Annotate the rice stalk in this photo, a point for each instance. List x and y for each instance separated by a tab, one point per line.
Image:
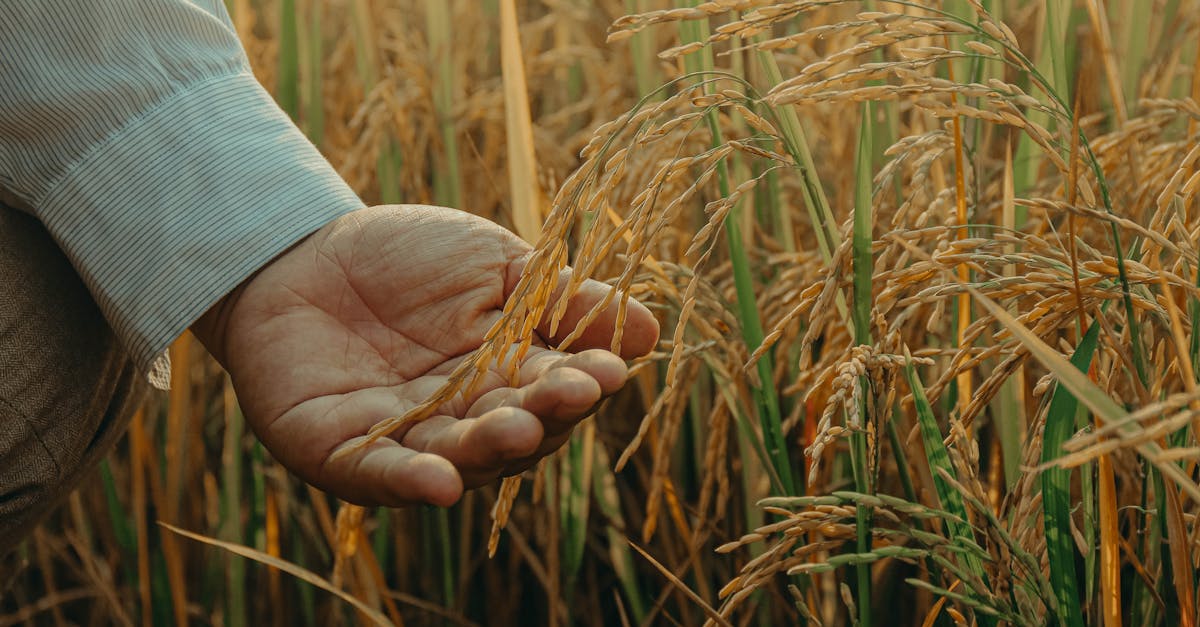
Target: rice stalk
863	270
447	182
766	398
527	195
231	506
168	500
287	89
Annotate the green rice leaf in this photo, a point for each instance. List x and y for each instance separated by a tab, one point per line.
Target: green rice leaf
1056	490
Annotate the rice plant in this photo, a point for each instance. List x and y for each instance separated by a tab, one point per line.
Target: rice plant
928	280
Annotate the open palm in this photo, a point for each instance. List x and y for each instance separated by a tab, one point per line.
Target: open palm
365	319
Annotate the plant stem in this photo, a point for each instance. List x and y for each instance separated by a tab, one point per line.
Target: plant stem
765	395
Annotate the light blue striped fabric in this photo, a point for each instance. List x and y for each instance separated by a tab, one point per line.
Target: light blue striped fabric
134	130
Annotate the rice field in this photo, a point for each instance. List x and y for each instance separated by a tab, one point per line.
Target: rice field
928	275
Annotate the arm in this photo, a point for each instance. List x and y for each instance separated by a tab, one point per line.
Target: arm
134	130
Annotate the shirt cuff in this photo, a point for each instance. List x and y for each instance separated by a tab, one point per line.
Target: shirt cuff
176	209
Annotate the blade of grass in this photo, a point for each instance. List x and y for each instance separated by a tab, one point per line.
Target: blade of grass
300	573
576	501
608	499
713	614
1087	489
1057	16
381	536
125	533
940	467
445	545
1056	490
1049	64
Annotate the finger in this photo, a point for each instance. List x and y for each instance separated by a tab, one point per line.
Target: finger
606	368
560	398
537	363
640	328
548	446
479	447
499	397
386	473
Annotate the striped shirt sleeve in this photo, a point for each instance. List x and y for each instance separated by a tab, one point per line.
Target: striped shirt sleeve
134	130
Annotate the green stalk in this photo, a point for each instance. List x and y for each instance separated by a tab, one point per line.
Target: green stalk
444	538
1047	64
645	71
1009	429
435	550
447	183
314	105
573	515
231	514
288	88
796	144
604	486
863	271
888	127
906	482
381	538
387	166
1166	591
1057	14
1134	37
765	396
1087	489
306	600
122	523
1056	490
259	503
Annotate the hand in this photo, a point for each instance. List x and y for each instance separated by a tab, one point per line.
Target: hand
364	319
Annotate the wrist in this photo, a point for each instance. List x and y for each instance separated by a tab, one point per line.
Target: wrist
210	327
